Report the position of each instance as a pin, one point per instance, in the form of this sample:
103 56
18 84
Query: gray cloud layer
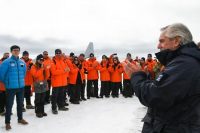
50 44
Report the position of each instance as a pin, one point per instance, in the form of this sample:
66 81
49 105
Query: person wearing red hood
92 77
28 80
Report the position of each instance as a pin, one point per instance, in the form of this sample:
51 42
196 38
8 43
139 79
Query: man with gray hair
173 98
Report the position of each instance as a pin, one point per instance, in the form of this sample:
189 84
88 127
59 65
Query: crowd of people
54 80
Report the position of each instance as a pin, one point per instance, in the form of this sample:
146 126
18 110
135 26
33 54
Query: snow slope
108 115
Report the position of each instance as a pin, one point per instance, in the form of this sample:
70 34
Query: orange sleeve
47 73
120 68
55 71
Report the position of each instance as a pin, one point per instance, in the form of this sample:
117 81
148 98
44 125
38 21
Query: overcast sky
112 25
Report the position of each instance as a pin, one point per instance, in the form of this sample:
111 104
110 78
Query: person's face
6 55
92 57
76 61
26 56
81 58
115 61
45 55
142 61
59 54
40 61
128 57
149 57
15 52
168 43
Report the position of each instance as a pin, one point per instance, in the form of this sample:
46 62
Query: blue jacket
12 73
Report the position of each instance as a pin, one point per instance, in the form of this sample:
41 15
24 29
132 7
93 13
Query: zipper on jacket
18 73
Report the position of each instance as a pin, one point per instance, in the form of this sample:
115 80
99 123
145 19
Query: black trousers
82 90
128 90
57 98
115 88
39 102
92 88
66 92
48 92
10 95
105 88
75 92
27 94
2 101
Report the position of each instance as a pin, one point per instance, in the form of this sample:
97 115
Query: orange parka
92 67
47 63
73 74
84 66
28 77
104 71
116 72
150 65
59 72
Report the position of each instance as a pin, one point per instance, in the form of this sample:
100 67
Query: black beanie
25 53
91 55
71 54
40 56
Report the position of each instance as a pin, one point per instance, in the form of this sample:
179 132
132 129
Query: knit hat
25 53
39 57
71 54
91 55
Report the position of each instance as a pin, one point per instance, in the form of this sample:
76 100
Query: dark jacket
174 97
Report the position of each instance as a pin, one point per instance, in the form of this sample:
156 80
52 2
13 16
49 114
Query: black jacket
174 97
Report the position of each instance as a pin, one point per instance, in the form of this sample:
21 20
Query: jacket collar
167 55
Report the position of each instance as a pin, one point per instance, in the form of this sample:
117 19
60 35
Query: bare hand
130 68
67 69
48 66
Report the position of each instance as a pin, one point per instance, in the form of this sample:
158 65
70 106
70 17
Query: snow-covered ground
107 115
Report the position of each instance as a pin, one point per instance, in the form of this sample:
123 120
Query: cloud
113 25
50 44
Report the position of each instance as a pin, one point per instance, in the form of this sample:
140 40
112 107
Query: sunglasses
58 53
